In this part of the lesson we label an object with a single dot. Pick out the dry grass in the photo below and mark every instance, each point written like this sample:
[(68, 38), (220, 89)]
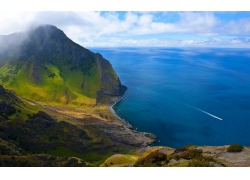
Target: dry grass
[(119, 160), (78, 115)]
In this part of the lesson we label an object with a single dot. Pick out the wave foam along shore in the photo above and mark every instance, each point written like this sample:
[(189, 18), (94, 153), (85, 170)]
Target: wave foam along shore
[(112, 110)]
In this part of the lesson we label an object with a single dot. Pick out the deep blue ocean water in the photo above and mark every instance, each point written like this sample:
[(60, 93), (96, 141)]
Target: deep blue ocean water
[(181, 94)]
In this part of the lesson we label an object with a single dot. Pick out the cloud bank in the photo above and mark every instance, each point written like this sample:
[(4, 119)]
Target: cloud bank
[(138, 28)]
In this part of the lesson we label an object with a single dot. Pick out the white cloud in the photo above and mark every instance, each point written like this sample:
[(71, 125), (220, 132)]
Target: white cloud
[(196, 22), (92, 24), (13, 21), (213, 42), (240, 27), (95, 28)]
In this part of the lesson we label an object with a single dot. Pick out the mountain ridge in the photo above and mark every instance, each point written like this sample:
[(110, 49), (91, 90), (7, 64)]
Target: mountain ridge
[(56, 70)]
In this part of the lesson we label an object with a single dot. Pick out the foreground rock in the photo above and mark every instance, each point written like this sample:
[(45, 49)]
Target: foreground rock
[(237, 159)]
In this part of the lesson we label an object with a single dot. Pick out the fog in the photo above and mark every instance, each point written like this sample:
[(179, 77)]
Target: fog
[(10, 44)]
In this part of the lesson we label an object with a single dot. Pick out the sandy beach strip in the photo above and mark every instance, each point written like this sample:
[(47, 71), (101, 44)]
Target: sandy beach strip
[(112, 111)]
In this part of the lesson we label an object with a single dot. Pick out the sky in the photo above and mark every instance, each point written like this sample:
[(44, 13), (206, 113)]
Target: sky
[(139, 28)]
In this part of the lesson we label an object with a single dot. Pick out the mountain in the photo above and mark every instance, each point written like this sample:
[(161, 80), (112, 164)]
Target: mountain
[(44, 65), (53, 103)]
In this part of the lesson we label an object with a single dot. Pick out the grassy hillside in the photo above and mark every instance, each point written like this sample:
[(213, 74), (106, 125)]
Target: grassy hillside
[(58, 84), (48, 67), (28, 130)]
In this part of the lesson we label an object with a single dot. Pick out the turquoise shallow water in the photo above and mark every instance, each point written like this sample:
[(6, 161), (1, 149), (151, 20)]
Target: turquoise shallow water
[(181, 94)]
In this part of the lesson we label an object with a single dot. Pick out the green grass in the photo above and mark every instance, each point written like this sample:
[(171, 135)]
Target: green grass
[(63, 80), (23, 109), (180, 164), (92, 157), (59, 86)]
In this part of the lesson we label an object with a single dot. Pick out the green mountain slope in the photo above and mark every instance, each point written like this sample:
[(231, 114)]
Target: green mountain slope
[(44, 65)]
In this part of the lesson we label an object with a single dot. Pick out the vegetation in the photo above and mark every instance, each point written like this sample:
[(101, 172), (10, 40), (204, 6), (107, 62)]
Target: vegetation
[(41, 160), (199, 163), (187, 156), (235, 148), (154, 159), (120, 160), (6, 110), (37, 132)]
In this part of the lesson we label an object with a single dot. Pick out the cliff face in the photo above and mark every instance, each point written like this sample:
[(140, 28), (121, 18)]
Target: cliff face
[(45, 65), (111, 86)]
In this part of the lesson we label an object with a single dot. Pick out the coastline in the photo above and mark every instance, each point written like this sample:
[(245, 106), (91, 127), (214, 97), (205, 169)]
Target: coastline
[(114, 113)]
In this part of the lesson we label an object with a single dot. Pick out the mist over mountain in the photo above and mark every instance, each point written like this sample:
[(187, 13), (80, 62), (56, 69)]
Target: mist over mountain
[(44, 65)]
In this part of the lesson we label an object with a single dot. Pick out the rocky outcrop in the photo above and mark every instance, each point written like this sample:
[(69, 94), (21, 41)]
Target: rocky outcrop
[(121, 134), (230, 159)]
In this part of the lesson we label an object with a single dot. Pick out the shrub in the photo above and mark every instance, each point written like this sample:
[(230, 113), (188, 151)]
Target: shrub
[(184, 148), (187, 154), (154, 159), (235, 148), (6, 110), (179, 150), (192, 153)]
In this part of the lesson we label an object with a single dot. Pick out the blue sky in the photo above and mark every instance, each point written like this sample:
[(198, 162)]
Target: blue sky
[(140, 28)]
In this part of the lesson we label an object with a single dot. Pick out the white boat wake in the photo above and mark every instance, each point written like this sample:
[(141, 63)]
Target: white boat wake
[(193, 108), (205, 112), (197, 109)]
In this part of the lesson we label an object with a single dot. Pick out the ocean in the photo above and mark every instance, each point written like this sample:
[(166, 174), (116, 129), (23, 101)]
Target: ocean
[(198, 96)]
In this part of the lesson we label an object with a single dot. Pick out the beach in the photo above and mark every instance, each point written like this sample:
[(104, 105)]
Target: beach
[(113, 112)]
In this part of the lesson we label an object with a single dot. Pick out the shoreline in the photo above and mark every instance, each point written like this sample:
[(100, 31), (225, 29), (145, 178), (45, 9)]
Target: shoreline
[(114, 113)]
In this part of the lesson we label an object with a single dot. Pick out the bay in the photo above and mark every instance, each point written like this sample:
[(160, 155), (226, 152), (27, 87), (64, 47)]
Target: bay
[(197, 96)]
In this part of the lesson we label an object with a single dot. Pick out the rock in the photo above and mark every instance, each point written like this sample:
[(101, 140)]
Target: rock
[(125, 136), (239, 159)]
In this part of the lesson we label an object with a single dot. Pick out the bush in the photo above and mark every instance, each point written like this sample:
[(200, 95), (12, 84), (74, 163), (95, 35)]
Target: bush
[(180, 150), (154, 159), (235, 148), (6, 110), (187, 154), (184, 148)]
